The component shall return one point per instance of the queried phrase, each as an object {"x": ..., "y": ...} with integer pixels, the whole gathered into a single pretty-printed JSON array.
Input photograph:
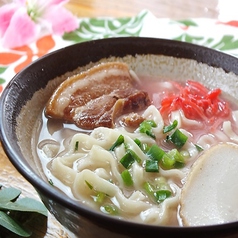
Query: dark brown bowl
[{"x": 81, "y": 220}]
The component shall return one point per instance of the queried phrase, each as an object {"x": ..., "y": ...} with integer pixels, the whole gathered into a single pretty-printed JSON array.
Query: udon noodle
[{"x": 82, "y": 164}]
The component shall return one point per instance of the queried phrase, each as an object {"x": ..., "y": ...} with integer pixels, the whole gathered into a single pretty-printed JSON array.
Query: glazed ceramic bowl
[{"x": 19, "y": 104}]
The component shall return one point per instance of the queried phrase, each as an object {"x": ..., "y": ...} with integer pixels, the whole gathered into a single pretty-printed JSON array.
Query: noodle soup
[{"x": 137, "y": 172}]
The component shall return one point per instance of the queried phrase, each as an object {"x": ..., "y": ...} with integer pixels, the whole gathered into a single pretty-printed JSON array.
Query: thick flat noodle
[{"x": 97, "y": 96}]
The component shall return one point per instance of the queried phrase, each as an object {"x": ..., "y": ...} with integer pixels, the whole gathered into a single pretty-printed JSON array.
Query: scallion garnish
[
  {"x": 143, "y": 146},
  {"x": 126, "y": 145},
  {"x": 151, "y": 166},
  {"x": 99, "y": 198},
  {"x": 127, "y": 160},
  {"x": 138, "y": 142},
  {"x": 155, "y": 152},
  {"x": 118, "y": 142},
  {"x": 76, "y": 147},
  {"x": 51, "y": 182},
  {"x": 127, "y": 178},
  {"x": 134, "y": 155},
  {"x": 169, "y": 128},
  {"x": 109, "y": 209},
  {"x": 199, "y": 148},
  {"x": 89, "y": 185},
  {"x": 149, "y": 189},
  {"x": 167, "y": 161},
  {"x": 172, "y": 159},
  {"x": 178, "y": 138},
  {"x": 156, "y": 194},
  {"x": 146, "y": 127},
  {"x": 161, "y": 195}
]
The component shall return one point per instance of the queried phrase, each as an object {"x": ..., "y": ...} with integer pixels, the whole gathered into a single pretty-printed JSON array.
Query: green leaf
[
  {"x": 9, "y": 194},
  {"x": 25, "y": 205},
  {"x": 10, "y": 224}
]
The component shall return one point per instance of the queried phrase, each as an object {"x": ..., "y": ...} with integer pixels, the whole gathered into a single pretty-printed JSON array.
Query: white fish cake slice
[{"x": 210, "y": 195}]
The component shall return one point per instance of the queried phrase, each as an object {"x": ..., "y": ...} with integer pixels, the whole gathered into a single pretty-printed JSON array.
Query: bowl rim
[{"x": 197, "y": 53}]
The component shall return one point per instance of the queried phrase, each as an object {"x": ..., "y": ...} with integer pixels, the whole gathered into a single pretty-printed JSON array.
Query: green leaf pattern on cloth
[
  {"x": 211, "y": 33},
  {"x": 99, "y": 28}
]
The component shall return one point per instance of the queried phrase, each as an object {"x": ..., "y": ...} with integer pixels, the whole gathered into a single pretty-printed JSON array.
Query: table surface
[{"x": 179, "y": 9}]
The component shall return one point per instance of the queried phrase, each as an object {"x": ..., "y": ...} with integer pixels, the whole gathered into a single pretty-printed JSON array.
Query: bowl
[{"x": 20, "y": 111}]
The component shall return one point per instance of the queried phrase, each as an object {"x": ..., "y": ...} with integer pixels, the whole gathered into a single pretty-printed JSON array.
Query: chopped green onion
[
  {"x": 118, "y": 142},
  {"x": 160, "y": 183},
  {"x": 155, "y": 152},
  {"x": 146, "y": 127},
  {"x": 151, "y": 166},
  {"x": 134, "y": 155},
  {"x": 199, "y": 148},
  {"x": 157, "y": 195},
  {"x": 185, "y": 154},
  {"x": 179, "y": 159},
  {"x": 51, "y": 182},
  {"x": 89, "y": 185},
  {"x": 127, "y": 160},
  {"x": 126, "y": 145},
  {"x": 167, "y": 162},
  {"x": 138, "y": 142},
  {"x": 172, "y": 159},
  {"x": 76, "y": 147},
  {"x": 109, "y": 209},
  {"x": 149, "y": 189},
  {"x": 178, "y": 138},
  {"x": 143, "y": 146},
  {"x": 161, "y": 195},
  {"x": 99, "y": 198},
  {"x": 126, "y": 177},
  {"x": 170, "y": 127}
]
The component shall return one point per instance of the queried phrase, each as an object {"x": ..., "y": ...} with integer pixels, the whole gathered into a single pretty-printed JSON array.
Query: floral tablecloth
[{"x": 212, "y": 33}]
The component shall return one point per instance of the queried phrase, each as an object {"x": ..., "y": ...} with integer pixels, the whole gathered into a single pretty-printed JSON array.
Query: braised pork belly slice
[
  {"x": 211, "y": 190},
  {"x": 96, "y": 97},
  {"x": 104, "y": 110}
]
